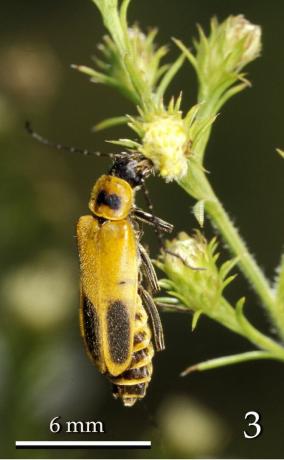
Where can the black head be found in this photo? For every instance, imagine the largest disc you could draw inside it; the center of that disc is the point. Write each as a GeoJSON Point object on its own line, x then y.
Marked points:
{"type": "Point", "coordinates": [131, 167]}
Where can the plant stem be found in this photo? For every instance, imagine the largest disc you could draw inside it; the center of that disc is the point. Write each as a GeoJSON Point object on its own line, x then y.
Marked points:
{"type": "Point", "coordinates": [248, 265]}
{"type": "Point", "coordinates": [255, 336]}
{"type": "Point", "coordinates": [246, 261]}
{"type": "Point", "coordinates": [226, 316]}
{"type": "Point", "coordinates": [235, 320]}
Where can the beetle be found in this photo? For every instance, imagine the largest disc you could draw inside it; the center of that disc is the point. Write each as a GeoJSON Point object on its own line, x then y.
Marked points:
{"type": "Point", "coordinates": [119, 320]}
{"type": "Point", "coordinates": [118, 316]}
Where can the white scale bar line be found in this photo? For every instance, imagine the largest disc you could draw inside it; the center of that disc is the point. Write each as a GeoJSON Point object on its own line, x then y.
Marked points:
{"type": "Point", "coordinates": [83, 444]}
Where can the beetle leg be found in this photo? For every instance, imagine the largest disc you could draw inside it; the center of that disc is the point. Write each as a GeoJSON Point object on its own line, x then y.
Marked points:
{"type": "Point", "coordinates": [153, 313]}
{"type": "Point", "coordinates": [183, 260]}
{"type": "Point", "coordinates": [150, 219]}
{"type": "Point", "coordinates": [148, 269]}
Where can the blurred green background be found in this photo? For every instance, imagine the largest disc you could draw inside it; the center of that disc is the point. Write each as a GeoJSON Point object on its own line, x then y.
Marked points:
{"type": "Point", "coordinates": [43, 368]}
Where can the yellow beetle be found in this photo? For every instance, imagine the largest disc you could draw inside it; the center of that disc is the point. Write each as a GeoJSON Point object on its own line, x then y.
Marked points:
{"type": "Point", "coordinates": [115, 308]}
{"type": "Point", "coordinates": [118, 317]}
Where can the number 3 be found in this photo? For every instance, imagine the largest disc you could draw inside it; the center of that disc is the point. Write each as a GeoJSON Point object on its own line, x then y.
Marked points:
{"type": "Point", "coordinates": [258, 427]}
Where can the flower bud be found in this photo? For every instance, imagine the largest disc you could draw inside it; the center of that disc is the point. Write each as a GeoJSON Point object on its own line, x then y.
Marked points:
{"type": "Point", "coordinates": [110, 65]}
{"type": "Point", "coordinates": [192, 275]}
{"type": "Point", "coordinates": [241, 32]}
{"type": "Point", "coordinates": [165, 142]}
{"type": "Point", "coordinates": [147, 54]}
{"type": "Point", "coordinates": [221, 55]}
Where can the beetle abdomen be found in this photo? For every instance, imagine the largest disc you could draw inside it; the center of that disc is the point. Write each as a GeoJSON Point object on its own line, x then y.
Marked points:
{"type": "Point", "coordinates": [132, 384]}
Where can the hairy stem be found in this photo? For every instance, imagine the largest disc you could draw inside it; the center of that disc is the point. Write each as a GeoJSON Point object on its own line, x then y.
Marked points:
{"type": "Point", "coordinates": [246, 261]}
{"type": "Point", "coordinates": [231, 236]}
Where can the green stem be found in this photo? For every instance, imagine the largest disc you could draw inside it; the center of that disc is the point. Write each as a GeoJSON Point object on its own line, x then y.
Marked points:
{"type": "Point", "coordinates": [221, 220]}
{"type": "Point", "coordinates": [246, 261]}
{"type": "Point", "coordinates": [234, 320]}
{"type": "Point", "coordinates": [254, 335]}
{"type": "Point", "coordinates": [228, 360]}
{"type": "Point", "coordinates": [226, 316]}
{"type": "Point", "coordinates": [248, 265]}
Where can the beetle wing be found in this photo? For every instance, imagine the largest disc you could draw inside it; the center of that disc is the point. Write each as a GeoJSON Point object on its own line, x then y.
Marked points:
{"type": "Point", "coordinates": [109, 275]}
{"type": "Point", "coordinates": [90, 331]}
{"type": "Point", "coordinates": [118, 292]}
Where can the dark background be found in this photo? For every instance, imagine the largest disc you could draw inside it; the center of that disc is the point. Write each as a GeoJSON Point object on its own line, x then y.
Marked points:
{"type": "Point", "coordinates": [44, 370]}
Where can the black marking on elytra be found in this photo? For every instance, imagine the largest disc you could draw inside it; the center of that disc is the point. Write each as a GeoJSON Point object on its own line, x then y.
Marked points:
{"type": "Point", "coordinates": [111, 200]}
{"type": "Point", "coordinates": [91, 328]}
{"type": "Point", "coordinates": [138, 316]}
{"type": "Point", "coordinates": [118, 326]}
{"type": "Point", "coordinates": [122, 282]}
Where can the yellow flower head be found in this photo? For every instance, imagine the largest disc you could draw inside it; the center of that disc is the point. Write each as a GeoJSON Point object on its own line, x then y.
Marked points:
{"type": "Point", "coordinates": [165, 142]}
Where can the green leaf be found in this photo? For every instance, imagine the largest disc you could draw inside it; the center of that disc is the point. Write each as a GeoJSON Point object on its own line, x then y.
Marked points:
{"type": "Point", "coordinates": [109, 12]}
{"type": "Point", "coordinates": [228, 361]}
{"type": "Point", "coordinates": [255, 336]}
{"type": "Point", "coordinates": [195, 319]}
{"type": "Point", "coordinates": [191, 115]}
{"type": "Point", "coordinates": [279, 287]}
{"type": "Point", "coordinates": [168, 77]}
{"type": "Point", "coordinates": [165, 284]}
{"type": "Point", "coordinates": [228, 280]}
{"type": "Point", "coordinates": [203, 127]}
{"type": "Point", "coordinates": [123, 17]}
{"type": "Point", "coordinates": [281, 152]}
{"type": "Point", "coordinates": [97, 77]}
{"type": "Point", "coordinates": [187, 53]}
{"type": "Point", "coordinates": [125, 143]}
{"type": "Point", "coordinates": [88, 71]}
{"type": "Point", "coordinates": [167, 300]}
{"type": "Point", "coordinates": [110, 122]}
{"type": "Point", "coordinates": [228, 266]}
{"type": "Point", "coordinates": [198, 212]}
{"type": "Point", "coordinates": [230, 93]}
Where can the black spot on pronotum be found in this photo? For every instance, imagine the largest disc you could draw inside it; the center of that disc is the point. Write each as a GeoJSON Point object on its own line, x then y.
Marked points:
{"type": "Point", "coordinates": [91, 328]}
{"type": "Point", "coordinates": [118, 327]}
{"type": "Point", "coordinates": [111, 200]}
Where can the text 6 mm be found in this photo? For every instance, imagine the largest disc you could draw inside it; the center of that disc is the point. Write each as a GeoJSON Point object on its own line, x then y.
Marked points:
{"type": "Point", "coordinates": [76, 426]}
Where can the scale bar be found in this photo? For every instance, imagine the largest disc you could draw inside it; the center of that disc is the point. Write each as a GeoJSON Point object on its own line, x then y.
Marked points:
{"type": "Point", "coordinates": [83, 444]}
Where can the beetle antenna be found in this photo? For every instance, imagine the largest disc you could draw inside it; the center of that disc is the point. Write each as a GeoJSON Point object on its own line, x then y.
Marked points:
{"type": "Point", "coordinates": [67, 148]}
